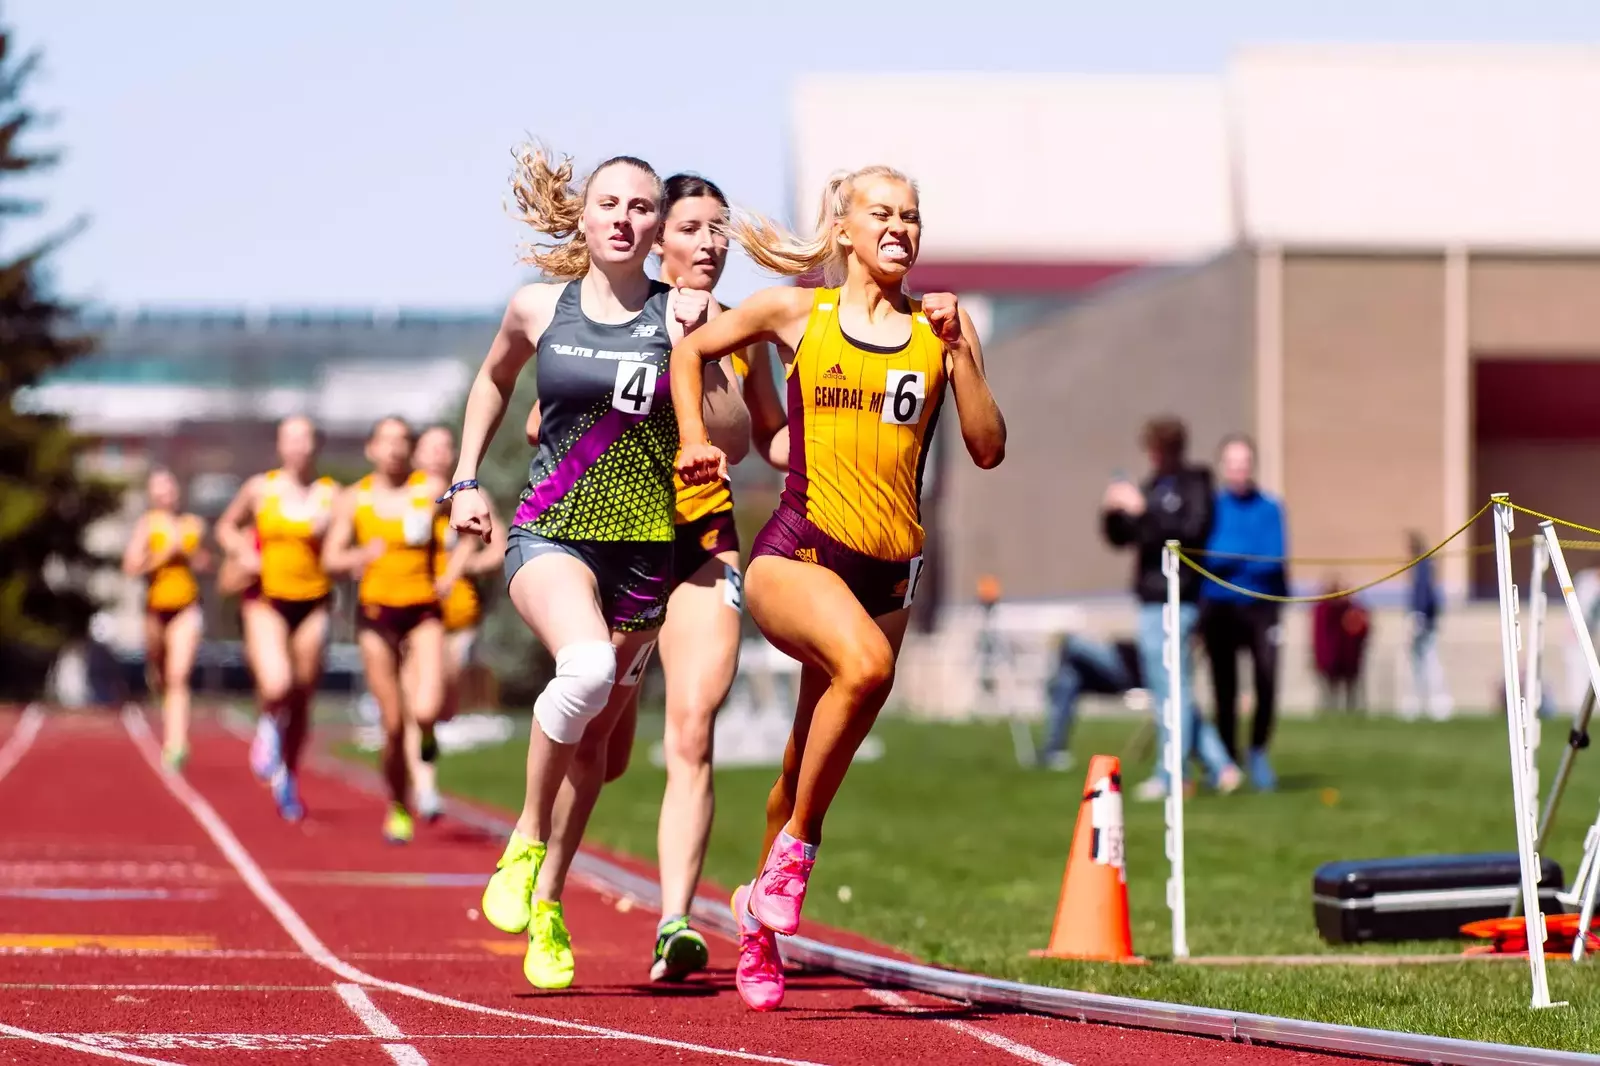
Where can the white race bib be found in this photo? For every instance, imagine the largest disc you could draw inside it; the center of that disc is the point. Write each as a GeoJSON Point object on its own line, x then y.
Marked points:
{"type": "Point", "coordinates": [913, 575]}
{"type": "Point", "coordinates": [904, 392]}
{"type": "Point", "coordinates": [635, 389]}
{"type": "Point", "coordinates": [733, 589]}
{"type": "Point", "coordinates": [641, 659]}
{"type": "Point", "coordinates": [417, 527]}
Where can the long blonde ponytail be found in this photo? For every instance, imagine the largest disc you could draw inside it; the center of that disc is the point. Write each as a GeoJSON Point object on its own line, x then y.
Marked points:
{"type": "Point", "coordinates": [776, 248]}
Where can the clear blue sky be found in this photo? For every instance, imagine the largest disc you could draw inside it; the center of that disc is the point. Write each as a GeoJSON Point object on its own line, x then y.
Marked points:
{"type": "Point", "coordinates": [355, 152]}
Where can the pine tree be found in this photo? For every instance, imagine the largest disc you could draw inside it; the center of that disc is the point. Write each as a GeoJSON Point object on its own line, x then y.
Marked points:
{"type": "Point", "coordinates": [46, 499]}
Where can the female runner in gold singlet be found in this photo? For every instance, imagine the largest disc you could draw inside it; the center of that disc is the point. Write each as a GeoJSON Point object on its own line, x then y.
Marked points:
{"type": "Point", "coordinates": [382, 531]}
{"type": "Point", "coordinates": [461, 609]}
{"type": "Point", "coordinates": [166, 549]}
{"type": "Point", "coordinates": [273, 529]}
{"type": "Point", "coordinates": [833, 574]}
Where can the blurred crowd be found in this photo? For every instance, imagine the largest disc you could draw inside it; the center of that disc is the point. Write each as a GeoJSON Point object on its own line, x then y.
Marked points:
{"type": "Point", "coordinates": [1237, 532]}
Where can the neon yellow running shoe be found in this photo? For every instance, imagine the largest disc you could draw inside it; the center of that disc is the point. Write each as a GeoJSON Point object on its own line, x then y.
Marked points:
{"type": "Point", "coordinates": [508, 897]}
{"type": "Point", "coordinates": [397, 827]}
{"type": "Point", "coordinates": [548, 963]}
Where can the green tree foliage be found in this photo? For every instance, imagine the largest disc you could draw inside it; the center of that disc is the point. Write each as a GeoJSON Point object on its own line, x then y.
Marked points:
{"type": "Point", "coordinates": [46, 499]}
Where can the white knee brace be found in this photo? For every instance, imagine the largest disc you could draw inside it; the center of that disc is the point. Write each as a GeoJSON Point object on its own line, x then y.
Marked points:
{"type": "Point", "coordinates": [578, 692]}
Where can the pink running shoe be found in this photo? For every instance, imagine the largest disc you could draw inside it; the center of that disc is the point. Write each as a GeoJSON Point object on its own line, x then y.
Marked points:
{"type": "Point", "coordinates": [780, 891]}
{"type": "Point", "coordinates": [759, 975]}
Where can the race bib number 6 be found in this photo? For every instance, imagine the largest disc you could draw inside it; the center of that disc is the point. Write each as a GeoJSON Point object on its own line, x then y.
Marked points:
{"type": "Point", "coordinates": [904, 393]}
{"type": "Point", "coordinates": [635, 390]}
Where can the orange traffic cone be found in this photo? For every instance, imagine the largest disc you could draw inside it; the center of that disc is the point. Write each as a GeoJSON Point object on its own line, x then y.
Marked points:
{"type": "Point", "coordinates": [1092, 917]}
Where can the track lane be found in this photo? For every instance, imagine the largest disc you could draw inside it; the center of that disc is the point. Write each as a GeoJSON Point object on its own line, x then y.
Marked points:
{"type": "Point", "coordinates": [128, 923]}
{"type": "Point", "coordinates": [611, 941]}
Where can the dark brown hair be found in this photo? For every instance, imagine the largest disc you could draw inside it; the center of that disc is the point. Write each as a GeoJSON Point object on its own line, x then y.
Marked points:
{"type": "Point", "coordinates": [1168, 437]}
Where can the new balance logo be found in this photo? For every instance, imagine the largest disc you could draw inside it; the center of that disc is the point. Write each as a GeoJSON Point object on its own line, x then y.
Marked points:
{"type": "Point", "coordinates": [647, 329]}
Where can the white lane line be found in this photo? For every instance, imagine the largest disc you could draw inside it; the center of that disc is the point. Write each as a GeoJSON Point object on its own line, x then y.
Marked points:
{"type": "Point", "coordinates": [270, 1041]}
{"type": "Point", "coordinates": [405, 1055]}
{"type": "Point", "coordinates": [377, 1022]}
{"type": "Point", "coordinates": [87, 1049]}
{"type": "Point", "coordinates": [240, 953]}
{"type": "Point", "coordinates": [202, 811]}
{"type": "Point", "coordinates": [994, 1040]}
{"type": "Point", "coordinates": [21, 738]}
{"type": "Point", "coordinates": [161, 988]}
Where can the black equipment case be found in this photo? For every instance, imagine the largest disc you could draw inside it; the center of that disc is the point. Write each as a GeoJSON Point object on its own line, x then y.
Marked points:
{"type": "Point", "coordinates": [1422, 897]}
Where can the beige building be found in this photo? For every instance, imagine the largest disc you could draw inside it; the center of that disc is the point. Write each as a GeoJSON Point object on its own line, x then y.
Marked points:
{"type": "Point", "coordinates": [1384, 263]}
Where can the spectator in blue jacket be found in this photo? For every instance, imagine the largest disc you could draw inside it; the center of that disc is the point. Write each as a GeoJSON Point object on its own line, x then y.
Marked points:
{"type": "Point", "coordinates": [1246, 522]}
{"type": "Point", "coordinates": [1431, 693]}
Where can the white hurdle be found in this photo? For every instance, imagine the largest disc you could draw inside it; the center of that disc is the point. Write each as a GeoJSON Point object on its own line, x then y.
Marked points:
{"type": "Point", "coordinates": [1523, 801]}
{"type": "Point", "coordinates": [1172, 713]}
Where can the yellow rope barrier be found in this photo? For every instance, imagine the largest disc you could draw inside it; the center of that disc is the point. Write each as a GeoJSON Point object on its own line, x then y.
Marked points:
{"type": "Point", "coordinates": [1389, 560]}
{"type": "Point", "coordinates": [1548, 518]}
{"type": "Point", "coordinates": [1183, 556]}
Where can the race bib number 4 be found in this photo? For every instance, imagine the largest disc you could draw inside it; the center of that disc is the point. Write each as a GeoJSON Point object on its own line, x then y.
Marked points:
{"type": "Point", "coordinates": [635, 390]}
{"type": "Point", "coordinates": [635, 671]}
{"type": "Point", "coordinates": [904, 393]}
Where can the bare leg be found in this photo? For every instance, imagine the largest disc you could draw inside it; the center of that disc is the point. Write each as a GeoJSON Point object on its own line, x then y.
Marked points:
{"type": "Point", "coordinates": [183, 642]}
{"type": "Point", "coordinates": [699, 655]}
{"type": "Point", "coordinates": [307, 648]}
{"type": "Point", "coordinates": [809, 613]}
{"type": "Point", "coordinates": [557, 597]}
{"type": "Point", "coordinates": [619, 747]}
{"type": "Point", "coordinates": [266, 640]}
{"type": "Point", "coordinates": [381, 662]}
{"type": "Point", "coordinates": [586, 774]}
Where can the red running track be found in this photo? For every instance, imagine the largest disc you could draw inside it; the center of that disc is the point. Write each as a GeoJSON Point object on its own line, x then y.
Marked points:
{"type": "Point", "coordinates": [153, 918]}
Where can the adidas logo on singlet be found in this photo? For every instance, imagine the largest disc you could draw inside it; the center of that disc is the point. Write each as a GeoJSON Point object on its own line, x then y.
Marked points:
{"type": "Point", "coordinates": [834, 371]}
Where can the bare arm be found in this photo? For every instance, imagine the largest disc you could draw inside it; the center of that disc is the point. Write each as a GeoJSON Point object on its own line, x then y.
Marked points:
{"type": "Point", "coordinates": [767, 417]}
{"type": "Point", "coordinates": [340, 555]}
{"type": "Point", "coordinates": [774, 314]}
{"type": "Point", "coordinates": [135, 555]}
{"type": "Point", "coordinates": [491, 554]}
{"type": "Point", "coordinates": [983, 428]}
{"type": "Point", "coordinates": [232, 522]}
{"type": "Point", "coordinates": [520, 328]}
{"type": "Point", "coordinates": [201, 560]}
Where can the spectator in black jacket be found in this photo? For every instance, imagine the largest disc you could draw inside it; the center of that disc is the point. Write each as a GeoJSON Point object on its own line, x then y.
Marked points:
{"type": "Point", "coordinates": [1175, 502]}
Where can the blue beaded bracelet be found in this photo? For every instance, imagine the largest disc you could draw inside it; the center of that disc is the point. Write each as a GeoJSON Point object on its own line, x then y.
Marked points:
{"type": "Point", "coordinates": [470, 483]}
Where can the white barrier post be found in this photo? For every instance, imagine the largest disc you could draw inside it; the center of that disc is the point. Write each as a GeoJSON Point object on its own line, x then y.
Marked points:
{"type": "Point", "coordinates": [1532, 683]}
{"type": "Point", "coordinates": [1172, 757]}
{"type": "Point", "coordinates": [1516, 725]}
{"type": "Point", "coordinates": [1532, 679]}
{"type": "Point", "coordinates": [1586, 879]}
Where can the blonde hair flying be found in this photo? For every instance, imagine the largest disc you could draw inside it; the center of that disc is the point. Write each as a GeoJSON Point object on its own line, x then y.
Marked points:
{"type": "Point", "coordinates": [775, 248]}
{"type": "Point", "coordinates": [547, 201]}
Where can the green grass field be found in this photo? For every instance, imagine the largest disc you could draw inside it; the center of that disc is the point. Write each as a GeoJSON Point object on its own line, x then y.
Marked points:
{"type": "Point", "coordinates": [955, 855]}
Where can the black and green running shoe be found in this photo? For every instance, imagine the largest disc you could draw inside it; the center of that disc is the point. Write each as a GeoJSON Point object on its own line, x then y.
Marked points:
{"type": "Point", "coordinates": [680, 951]}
